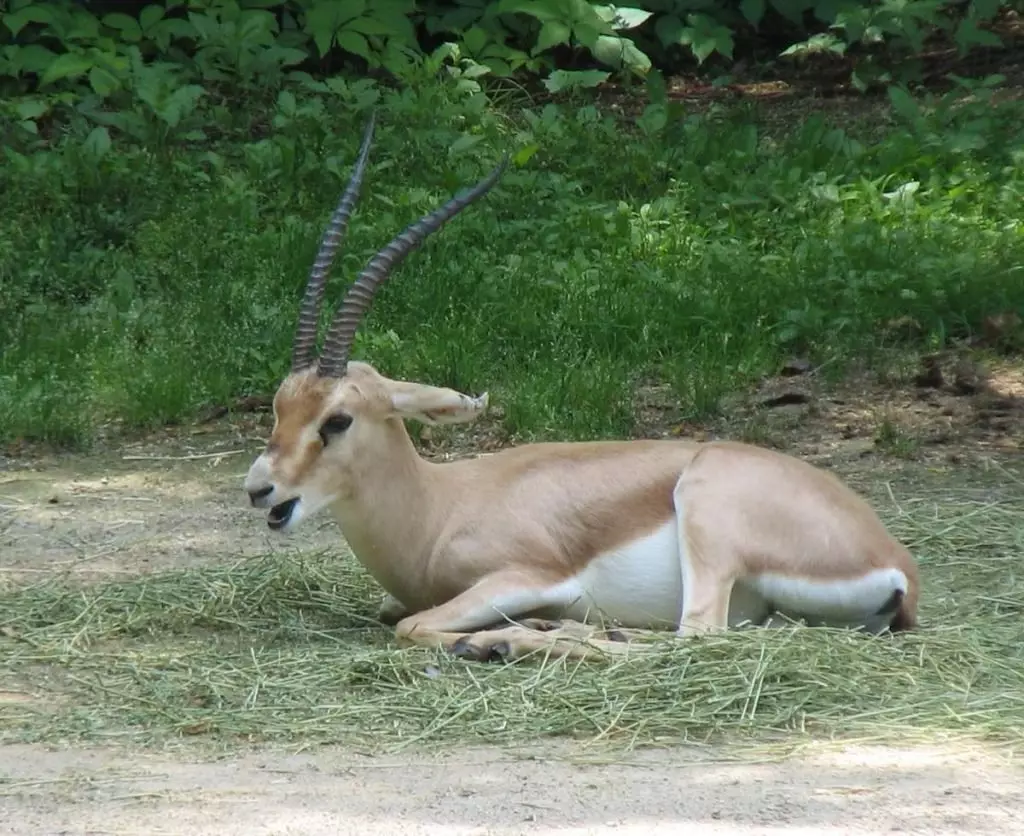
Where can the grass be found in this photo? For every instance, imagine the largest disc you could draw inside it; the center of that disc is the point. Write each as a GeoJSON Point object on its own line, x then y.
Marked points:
{"type": "Point", "coordinates": [143, 286]}
{"type": "Point", "coordinates": [285, 650]}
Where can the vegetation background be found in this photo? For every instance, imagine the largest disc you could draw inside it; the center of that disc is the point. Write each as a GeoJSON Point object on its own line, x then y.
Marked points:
{"type": "Point", "coordinates": [169, 166]}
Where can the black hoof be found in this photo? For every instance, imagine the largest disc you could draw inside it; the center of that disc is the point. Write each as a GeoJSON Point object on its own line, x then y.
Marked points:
{"type": "Point", "coordinates": [616, 636]}
{"type": "Point", "coordinates": [463, 649]}
{"type": "Point", "coordinates": [498, 652]}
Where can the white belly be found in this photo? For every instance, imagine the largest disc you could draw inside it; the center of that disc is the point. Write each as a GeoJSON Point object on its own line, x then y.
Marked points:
{"type": "Point", "coordinates": [640, 585]}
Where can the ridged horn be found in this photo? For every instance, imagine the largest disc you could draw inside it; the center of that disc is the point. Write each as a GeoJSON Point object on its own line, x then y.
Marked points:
{"type": "Point", "coordinates": [334, 358]}
{"type": "Point", "coordinates": [305, 332]}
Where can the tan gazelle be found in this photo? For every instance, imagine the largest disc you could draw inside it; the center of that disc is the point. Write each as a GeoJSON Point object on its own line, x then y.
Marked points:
{"type": "Point", "coordinates": [554, 546]}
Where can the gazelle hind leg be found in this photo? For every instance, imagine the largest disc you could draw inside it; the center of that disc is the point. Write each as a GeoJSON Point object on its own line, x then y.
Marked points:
{"type": "Point", "coordinates": [708, 574]}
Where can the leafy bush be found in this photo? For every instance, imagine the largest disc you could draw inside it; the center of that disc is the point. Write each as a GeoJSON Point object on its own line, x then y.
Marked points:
{"type": "Point", "coordinates": [255, 43]}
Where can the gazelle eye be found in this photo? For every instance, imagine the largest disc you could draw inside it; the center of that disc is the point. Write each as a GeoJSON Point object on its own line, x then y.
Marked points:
{"type": "Point", "coordinates": [335, 425]}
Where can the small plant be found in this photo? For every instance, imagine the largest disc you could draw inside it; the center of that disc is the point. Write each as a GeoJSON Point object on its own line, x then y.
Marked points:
{"type": "Point", "coordinates": [896, 441]}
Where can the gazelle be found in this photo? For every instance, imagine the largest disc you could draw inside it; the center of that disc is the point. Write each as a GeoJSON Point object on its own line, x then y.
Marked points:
{"type": "Point", "coordinates": [649, 535]}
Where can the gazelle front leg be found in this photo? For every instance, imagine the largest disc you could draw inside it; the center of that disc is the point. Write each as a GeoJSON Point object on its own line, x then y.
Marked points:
{"type": "Point", "coordinates": [453, 625]}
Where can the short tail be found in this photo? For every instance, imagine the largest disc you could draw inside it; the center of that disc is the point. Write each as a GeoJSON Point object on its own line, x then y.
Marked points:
{"type": "Point", "coordinates": [902, 617]}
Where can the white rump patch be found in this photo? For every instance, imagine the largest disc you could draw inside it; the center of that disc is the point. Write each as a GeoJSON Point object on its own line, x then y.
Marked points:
{"type": "Point", "coordinates": [848, 601]}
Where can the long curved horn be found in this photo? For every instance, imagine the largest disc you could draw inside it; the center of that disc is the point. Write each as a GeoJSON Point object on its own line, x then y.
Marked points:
{"type": "Point", "coordinates": [305, 332]}
{"type": "Point", "coordinates": [334, 357]}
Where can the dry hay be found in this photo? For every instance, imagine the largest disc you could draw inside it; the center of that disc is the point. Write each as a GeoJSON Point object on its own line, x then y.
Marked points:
{"type": "Point", "coordinates": [285, 648]}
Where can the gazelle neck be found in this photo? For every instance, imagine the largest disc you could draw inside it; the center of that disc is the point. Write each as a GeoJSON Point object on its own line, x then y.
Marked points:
{"type": "Point", "coordinates": [394, 513]}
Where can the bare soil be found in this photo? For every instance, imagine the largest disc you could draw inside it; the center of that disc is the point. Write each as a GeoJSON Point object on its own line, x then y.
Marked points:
{"type": "Point", "coordinates": [174, 499]}
{"type": "Point", "coordinates": [849, 792]}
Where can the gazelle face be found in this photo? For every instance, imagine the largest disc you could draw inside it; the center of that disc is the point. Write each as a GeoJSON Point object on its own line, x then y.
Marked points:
{"type": "Point", "coordinates": [335, 420]}
{"type": "Point", "coordinates": [318, 422]}
{"type": "Point", "coordinates": [332, 435]}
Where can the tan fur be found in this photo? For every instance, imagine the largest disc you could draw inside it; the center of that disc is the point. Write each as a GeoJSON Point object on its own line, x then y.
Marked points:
{"type": "Point", "coordinates": [450, 541]}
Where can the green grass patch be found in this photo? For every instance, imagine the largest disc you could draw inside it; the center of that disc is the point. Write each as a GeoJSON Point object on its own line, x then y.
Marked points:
{"type": "Point", "coordinates": [285, 650]}
{"type": "Point", "coordinates": [142, 284]}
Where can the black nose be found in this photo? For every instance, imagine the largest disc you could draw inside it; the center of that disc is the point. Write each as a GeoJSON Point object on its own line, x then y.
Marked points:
{"type": "Point", "coordinates": [256, 496]}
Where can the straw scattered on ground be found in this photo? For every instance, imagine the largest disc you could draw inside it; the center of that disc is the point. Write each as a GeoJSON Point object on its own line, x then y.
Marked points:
{"type": "Point", "coordinates": [285, 648]}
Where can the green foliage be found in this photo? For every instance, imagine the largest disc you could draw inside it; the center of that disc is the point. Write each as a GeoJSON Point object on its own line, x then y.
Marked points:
{"type": "Point", "coordinates": [60, 45]}
{"type": "Point", "coordinates": [150, 273]}
{"type": "Point", "coordinates": [167, 168]}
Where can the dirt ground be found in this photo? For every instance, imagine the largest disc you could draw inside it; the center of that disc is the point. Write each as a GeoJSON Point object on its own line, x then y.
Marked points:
{"type": "Point", "coordinates": [175, 499]}
{"type": "Point", "coordinates": [850, 792]}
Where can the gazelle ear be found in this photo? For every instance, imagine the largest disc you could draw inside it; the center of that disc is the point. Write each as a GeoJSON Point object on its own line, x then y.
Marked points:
{"type": "Point", "coordinates": [434, 404]}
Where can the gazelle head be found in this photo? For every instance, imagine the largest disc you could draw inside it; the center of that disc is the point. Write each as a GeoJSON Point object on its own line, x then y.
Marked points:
{"type": "Point", "coordinates": [336, 421]}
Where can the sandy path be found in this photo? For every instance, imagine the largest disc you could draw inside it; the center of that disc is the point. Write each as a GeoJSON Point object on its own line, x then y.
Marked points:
{"type": "Point", "coordinates": [853, 792]}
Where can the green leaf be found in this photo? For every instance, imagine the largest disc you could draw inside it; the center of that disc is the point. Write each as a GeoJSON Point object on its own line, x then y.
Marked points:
{"type": "Point", "coordinates": [793, 10]}
{"type": "Point", "coordinates": [321, 22]}
{"type": "Point", "coordinates": [475, 70]}
{"type": "Point", "coordinates": [32, 58]}
{"type": "Point", "coordinates": [475, 39]}
{"type": "Point", "coordinates": [97, 143]}
{"type": "Point", "coordinates": [355, 43]}
{"type": "Point", "coordinates": [68, 65]}
{"type": "Point", "coordinates": [181, 103]}
{"type": "Point", "coordinates": [206, 26]}
{"type": "Point", "coordinates": [177, 28]}
{"type": "Point", "coordinates": [464, 143]}
{"type": "Point", "coordinates": [37, 13]}
{"type": "Point", "coordinates": [31, 108]}
{"type": "Point", "coordinates": [704, 36]}
{"type": "Point", "coordinates": [541, 11]}
{"type": "Point", "coordinates": [827, 11]}
{"type": "Point", "coordinates": [323, 40]}
{"type": "Point", "coordinates": [620, 52]}
{"type": "Point", "coordinates": [103, 82]}
{"type": "Point", "coordinates": [258, 27]}
{"type": "Point", "coordinates": [369, 26]}
{"type": "Point", "coordinates": [626, 18]}
{"type": "Point", "coordinates": [968, 34]}
{"type": "Point", "coordinates": [587, 32]}
{"type": "Point", "coordinates": [985, 9]}
{"type": "Point", "coordinates": [150, 16]}
{"type": "Point", "coordinates": [352, 9]}
{"type": "Point", "coordinates": [552, 33]}
{"type": "Point", "coordinates": [498, 67]}
{"type": "Point", "coordinates": [523, 155]}
{"type": "Point", "coordinates": [285, 56]}
{"type": "Point", "coordinates": [668, 29]}
{"type": "Point", "coordinates": [903, 103]}
{"type": "Point", "coordinates": [286, 102]}
{"type": "Point", "coordinates": [560, 80]}
{"type": "Point", "coordinates": [127, 26]}
{"type": "Point", "coordinates": [822, 42]}
{"type": "Point", "coordinates": [752, 10]}
{"type": "Point", "coordinates": [657, 91]}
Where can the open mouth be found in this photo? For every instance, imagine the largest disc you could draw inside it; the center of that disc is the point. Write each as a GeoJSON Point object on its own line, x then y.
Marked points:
{"type": "Point", "coordinates": [281, 513]}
